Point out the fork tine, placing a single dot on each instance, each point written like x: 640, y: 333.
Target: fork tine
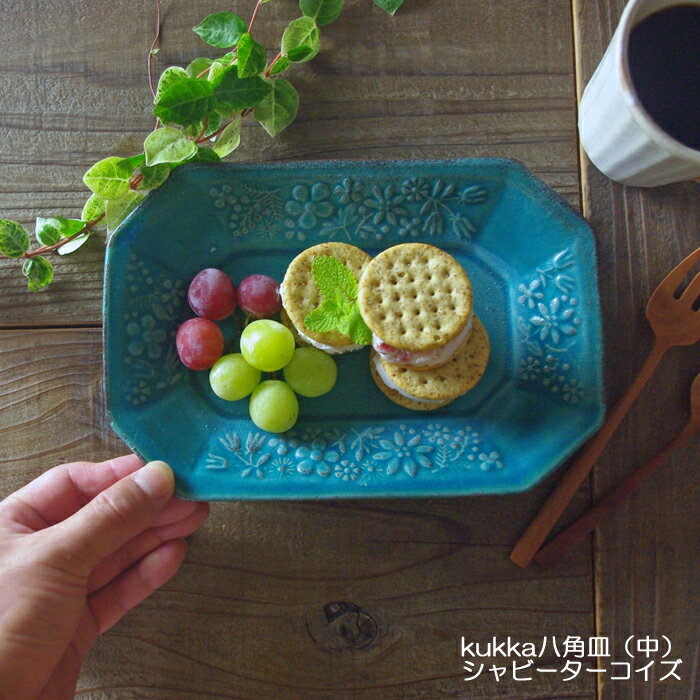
x: 676, y: 276
x: 691, y: 292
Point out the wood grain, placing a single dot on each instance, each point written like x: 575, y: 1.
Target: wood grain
x: 438, y: 80
x: 646, y: 579
x: 286, y: 600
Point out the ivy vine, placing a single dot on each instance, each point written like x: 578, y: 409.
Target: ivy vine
x: 199, y: 110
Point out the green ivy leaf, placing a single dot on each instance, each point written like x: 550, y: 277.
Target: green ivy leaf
x: 252, y: 57
x: 322, y: 11
x: 234, y: 93
x: 154, y: 175
x: 73, y: 245
x: 168, y: 145
x: 38, y: 271
x: 278, y: 110
x: 133, y: 162
x: 109, y: 178
x: 14, y: 239
x: 94, y: 207
x: 50, y: 230
x: 222, y: 29
x: 213, y: 124
x: 280, y: 65
x: 185, y: 102
x: 198, y: 65
x: 169, y: 77
x: 117, y: 210
x: 205, y: 155
x: 230, y: 137
x: 227, y: 58
x: 301, y: 40
x: 389, y: 5
x: 216, y: 71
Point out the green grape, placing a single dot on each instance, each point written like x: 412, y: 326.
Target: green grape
x: 274, y: 406
x: 232, y: 378
x: 311, y: 372
x: 267, y: 345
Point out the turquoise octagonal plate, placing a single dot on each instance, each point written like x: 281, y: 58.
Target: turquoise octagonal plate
x: 532, y: 264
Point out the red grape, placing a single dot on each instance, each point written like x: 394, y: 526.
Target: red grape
x: 199, y: 343
x: 259, y: 296
x: 212, y: 294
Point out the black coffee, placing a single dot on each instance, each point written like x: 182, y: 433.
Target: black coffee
x: 664, y: 60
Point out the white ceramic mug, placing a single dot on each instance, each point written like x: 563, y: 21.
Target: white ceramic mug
x: 617, y: 133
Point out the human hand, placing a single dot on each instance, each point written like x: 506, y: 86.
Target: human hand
x: 79, y: 547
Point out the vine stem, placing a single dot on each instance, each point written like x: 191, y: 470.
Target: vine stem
x: 153, y: 46
x: 272, y: 63
x: 63, y: 241
x: 253, y: 18
x: 202, y: 139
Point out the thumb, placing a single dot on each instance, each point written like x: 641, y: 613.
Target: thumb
x: 114, y: 516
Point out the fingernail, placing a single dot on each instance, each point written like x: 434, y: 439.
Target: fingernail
x: 156, y: 479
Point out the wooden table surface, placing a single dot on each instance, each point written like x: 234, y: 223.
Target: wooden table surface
x: 257, y: 609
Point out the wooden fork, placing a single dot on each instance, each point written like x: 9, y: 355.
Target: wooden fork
x: 674, y: 322
x: 572, y: 535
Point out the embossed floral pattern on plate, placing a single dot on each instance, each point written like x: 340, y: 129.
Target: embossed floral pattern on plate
x: 352, y: 209
x: 532, y: 265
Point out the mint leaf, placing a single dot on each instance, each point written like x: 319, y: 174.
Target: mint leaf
x: 38, y: 271
x: 185, y: 102
x: 94, y: 207
x: 205, y: 155
x: 234, y: 93
x: 389, y: 5
x: 73, y: 245
x: 322, y: 11
x: 324, y: 318
x: 358, y: 330
x: 197, y: 66
x: 168, y: 145
x: 222, y: 29
x: 168, y: 78
x: 280, y: 65
x: 109, y: 178
x: 117, y: 210
x: 332, y: 277
x: 339, y: 310
x: 14, y: 239
x: 50, y: 230
x: 230, y: 137
x: 301, y: 40
x: 252, y: 57
x: 278, y: 110
x: 154, y: 175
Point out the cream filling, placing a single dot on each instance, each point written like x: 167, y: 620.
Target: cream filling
x: 427, y: 357
x: 391, y: 384
x: 330, y: 349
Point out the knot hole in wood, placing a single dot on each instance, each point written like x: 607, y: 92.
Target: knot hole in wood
x: 342, y: 626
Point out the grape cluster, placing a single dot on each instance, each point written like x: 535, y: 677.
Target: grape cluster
x: 265, y: 346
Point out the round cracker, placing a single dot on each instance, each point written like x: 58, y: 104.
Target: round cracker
x: 397, y: 398
x: 285, y: 321
x: 455, y: 378
x: 415, y: 296
x: 300, y: 294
